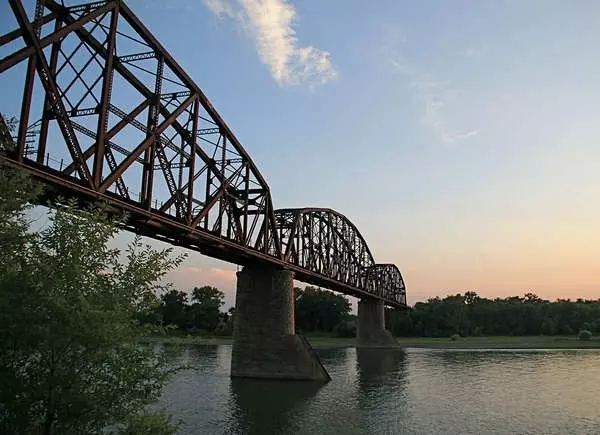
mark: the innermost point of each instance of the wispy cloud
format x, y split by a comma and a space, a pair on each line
433, 96
270, 23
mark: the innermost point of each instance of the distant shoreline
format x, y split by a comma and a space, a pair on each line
491, 342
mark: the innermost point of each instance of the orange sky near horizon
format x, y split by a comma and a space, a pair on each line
550, 263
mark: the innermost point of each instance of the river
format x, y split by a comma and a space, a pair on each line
398, 391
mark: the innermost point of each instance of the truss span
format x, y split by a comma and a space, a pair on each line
385, 280
106, 114
326, 242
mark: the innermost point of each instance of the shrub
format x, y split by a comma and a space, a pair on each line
584, 334
454, 337
149, 424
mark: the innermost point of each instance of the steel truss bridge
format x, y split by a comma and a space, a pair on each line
107, 115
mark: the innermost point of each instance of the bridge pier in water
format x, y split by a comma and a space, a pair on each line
371, 324
264, 342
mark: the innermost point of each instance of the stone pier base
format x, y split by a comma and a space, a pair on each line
264, 343
371, 325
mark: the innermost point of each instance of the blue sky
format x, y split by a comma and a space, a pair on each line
462, 138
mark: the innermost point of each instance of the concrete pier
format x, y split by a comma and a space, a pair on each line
264, 343
371, 325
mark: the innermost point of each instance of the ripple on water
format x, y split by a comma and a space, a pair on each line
412, 391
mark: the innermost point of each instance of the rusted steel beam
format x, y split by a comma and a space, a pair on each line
51, 89
137, 25
24, 53
26, 107
192, 168
207, 208
89, 152
15, 34
131, 78
105, 97
142, 147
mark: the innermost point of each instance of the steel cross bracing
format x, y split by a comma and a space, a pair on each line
106, 115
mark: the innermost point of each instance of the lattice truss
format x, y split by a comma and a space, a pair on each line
326, 242
386, 281
156, 140
105, 110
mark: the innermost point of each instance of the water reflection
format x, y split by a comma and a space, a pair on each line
410, 391
382, 392
268, 406
378, 366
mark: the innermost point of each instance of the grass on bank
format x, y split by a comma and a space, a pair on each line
491, 342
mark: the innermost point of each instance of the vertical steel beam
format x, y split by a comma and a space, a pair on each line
43, 139
222, 201
192, 166
26, 107
150, 152
207, 197
247, 187
28, 89
105, 97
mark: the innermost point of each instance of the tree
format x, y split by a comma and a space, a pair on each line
319, 310
70, 361
205, 308
174, 309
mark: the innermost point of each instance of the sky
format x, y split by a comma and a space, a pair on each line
461, 138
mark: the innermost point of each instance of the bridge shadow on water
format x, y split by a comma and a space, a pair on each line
382, 393
379, 366
367, 391
260, 407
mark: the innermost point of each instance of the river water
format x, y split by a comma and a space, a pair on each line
399, 391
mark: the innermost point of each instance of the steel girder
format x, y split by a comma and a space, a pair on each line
107, 114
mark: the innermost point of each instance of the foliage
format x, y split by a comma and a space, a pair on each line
173, 308
468, 315
205, 309
70, 361
319, 310
455, 337
158, 423
203, 314
7, 128
584, 334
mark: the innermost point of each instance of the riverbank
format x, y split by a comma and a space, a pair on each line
493, 342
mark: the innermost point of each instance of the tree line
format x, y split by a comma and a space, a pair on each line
469, 314
200, 312
321, 311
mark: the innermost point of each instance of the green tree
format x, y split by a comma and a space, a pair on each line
547, 327
205, 309
70, 361
174, 308
319, 310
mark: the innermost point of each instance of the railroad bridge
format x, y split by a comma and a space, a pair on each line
105, 114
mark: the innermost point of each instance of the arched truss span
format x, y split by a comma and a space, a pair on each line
327, 243
385, 280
